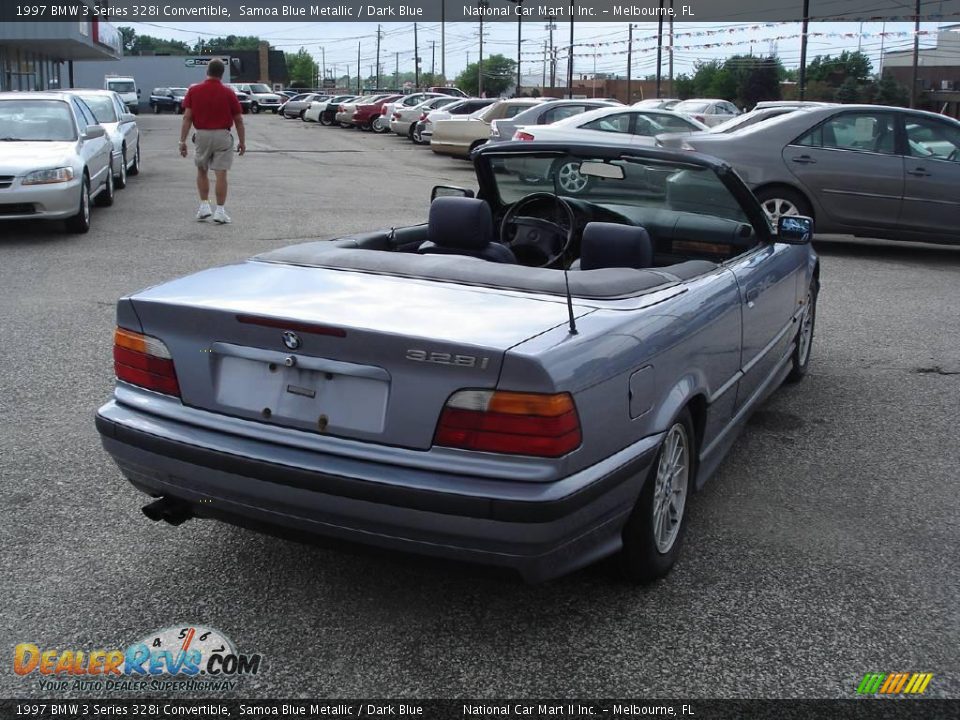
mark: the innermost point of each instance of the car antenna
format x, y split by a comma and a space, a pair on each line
573, 322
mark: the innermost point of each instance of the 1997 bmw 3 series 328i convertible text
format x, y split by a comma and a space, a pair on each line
528, 380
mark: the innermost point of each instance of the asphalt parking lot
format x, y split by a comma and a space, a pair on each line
825, 548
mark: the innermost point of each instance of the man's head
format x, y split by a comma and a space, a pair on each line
215, 69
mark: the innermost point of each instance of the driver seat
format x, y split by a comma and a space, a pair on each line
610, 245
463, 226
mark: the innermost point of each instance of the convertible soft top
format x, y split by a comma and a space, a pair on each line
605, 284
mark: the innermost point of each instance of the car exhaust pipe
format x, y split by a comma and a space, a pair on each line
174, 512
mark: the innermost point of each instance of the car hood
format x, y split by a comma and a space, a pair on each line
33, 155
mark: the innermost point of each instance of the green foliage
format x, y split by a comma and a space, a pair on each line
759, 81
230, 42
888, 91
848, 92
684, 87
743, 79
134, 44
836, 70
499, 73
302, 69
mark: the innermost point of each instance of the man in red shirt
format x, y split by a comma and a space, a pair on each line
212, 109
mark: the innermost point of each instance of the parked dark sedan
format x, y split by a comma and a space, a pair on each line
167, 98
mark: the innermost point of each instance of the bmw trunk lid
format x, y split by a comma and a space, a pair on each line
350, 354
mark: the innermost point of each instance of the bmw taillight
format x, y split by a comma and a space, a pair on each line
144, 361
520, 135
512, 423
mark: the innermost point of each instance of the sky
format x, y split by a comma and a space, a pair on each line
339, 43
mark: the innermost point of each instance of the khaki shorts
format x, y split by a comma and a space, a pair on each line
214, 149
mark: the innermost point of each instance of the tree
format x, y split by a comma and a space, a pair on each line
127, 36
835, 70
302, 69
887, 91
760, 81
684, 87
848, 92
499, 74
134, 44
230, 42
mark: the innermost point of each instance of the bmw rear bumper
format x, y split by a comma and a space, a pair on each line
542, 530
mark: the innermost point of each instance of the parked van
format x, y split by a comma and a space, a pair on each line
126, 88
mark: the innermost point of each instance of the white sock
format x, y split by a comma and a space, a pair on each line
205, 203
219, 208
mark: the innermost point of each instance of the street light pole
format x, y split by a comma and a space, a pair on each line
660, 51
570, 54
916, 57
482, 5
803, 50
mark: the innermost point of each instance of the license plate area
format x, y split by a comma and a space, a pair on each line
304, 392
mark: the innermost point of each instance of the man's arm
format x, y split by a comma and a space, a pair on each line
241, 133
185, 130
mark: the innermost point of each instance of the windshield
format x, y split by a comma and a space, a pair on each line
122, 86
744, 121
103, 108
36, 120
637, 183
260, 88
178, 91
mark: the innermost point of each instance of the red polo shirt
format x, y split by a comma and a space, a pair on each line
213, 105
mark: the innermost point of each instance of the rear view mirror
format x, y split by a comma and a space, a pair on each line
449, 191
601, 170
794, 229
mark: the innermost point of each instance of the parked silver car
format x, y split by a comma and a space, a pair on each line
122, 129
865, 170
558, 385
709, 112
54, 159
297, 105
543, 114
404, 119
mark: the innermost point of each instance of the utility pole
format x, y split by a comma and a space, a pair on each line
396, 73
378, 57
660, 51
551, 26
803, 50
443, 40
482, 5
323, 54
519, 4
670, 50
629, 62
543, 82
416, 60
570, 54
433, 61
359, 90
916, 57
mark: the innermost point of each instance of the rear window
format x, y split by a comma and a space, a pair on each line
687, 106
102, 106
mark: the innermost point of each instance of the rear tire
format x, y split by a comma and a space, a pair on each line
80, 223
106, 195
379, 125
120, 181
653, 534
325, 121
135, 168
804, 341
417, 136
156, 109
255, 109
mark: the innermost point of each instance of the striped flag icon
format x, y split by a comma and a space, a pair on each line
894, 683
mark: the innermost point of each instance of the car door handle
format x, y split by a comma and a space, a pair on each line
919, 172
752, 295
804, 160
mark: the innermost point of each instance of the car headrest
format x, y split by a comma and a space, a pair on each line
460, 222
609, 245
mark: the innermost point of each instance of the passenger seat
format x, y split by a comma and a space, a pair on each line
610, 245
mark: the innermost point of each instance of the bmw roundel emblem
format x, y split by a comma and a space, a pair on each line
291, 340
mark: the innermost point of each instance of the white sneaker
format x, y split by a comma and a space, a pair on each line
220, 216
204, 211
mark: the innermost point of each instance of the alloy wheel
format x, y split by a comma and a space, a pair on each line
777, 207
569, 178
670, 490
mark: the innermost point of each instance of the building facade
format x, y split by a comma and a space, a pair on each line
40, 55
938, 71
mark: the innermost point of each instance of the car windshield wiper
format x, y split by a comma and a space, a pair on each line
10, 139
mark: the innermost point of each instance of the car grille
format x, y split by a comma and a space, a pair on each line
17, 209
6, 181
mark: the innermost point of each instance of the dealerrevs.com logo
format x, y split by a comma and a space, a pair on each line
180, 658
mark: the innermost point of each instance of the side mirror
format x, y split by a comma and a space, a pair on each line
449, 191
93, 131
794, 229
138, 92
128, 117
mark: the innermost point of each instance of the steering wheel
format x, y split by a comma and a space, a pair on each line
534, 241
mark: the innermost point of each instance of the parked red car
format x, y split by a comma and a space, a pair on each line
370, 116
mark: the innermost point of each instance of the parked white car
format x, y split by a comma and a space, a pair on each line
122, 129
657, 103
630, 124
407, 101
708, 111
462, 110
261, 96
126, 88
54, 159
403, 119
